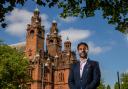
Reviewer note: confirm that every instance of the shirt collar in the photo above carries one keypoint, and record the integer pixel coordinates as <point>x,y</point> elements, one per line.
<point>84,60</point>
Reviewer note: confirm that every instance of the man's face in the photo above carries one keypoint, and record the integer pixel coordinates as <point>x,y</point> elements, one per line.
<point>83,50</point>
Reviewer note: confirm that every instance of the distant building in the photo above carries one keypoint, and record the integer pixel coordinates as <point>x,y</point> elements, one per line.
<point>49,66</point>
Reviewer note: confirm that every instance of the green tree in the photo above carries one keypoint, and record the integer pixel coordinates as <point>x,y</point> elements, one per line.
<point>114,11</point>
<point>124,80</point>
<point>108,87</point>
<point>1,41</point>
<point>102,85</point>
<point>13,68</point>
<point>123,83</point>
<point>116,86</point>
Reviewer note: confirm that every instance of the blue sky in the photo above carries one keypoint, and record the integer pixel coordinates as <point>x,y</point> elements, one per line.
<point>107,45</point>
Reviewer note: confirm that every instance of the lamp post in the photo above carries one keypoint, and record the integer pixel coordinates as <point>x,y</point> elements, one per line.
<point>43,75</point>
<point>48,63</point>
<point>118,79</point>
<point>51,68</point>
<point>44,63</point>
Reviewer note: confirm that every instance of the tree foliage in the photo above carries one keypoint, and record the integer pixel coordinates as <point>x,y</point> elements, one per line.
<point>13,68</point>
<point>108,87</point>
<point>102,85</point>
<point>124,81</point>
<point>116,86</point>
<point>115,11</point>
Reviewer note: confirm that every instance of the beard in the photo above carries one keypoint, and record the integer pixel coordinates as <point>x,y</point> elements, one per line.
<point>83,54</point>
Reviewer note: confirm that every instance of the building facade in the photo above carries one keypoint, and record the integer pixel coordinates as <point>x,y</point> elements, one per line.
<point>49,65</point>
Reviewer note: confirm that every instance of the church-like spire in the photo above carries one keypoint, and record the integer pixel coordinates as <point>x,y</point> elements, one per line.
<point>35,35</point>
<point>54,40</point>
<point>67,44</point>
<point>36,19</point>
<point>54,28</point>
<point>54,21</point>
<point>67,38</point>
<point>36,10</point>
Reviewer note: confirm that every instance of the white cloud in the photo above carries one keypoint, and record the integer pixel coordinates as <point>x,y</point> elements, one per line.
<point>18,20</point>
<point>80,34</point>
<point>45,21</point>
<point>75,34</point>
<point>68,19</point>
<point>16,29</point>
<point>18,44</point>
<point>93,49</point>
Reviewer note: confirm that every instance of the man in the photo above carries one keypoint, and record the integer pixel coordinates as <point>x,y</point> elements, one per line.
<point>84,74</point>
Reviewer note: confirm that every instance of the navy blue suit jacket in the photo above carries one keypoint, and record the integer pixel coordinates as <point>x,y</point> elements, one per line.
<point>90,78</point>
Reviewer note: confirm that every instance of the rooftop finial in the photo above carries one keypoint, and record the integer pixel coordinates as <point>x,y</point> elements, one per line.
<point>54,21</point>
<point>37,9</point>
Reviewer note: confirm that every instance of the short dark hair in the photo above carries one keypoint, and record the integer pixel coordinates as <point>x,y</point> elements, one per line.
<point>82,43</point>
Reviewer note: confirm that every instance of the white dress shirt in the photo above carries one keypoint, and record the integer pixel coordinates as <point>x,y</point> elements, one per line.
<point>82,64</point>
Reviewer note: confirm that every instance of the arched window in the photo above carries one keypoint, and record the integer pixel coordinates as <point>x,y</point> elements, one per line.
<point>32,33</point>
<point>61,77</point>
<point>30,52</point>
<point>58,41</point>
<point>39,33</point>
<point>51,41</point>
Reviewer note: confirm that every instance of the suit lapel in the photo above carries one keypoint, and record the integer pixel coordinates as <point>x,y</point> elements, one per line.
<point>85,69</point>
<point>78,69</point>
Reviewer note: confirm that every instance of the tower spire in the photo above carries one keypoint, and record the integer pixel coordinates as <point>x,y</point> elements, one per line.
<point>54,28</point>
<point>67,38</point>
<point>36,9</point>
<point>35,35</point>
<point>53,40</point>
<point>67,45</point>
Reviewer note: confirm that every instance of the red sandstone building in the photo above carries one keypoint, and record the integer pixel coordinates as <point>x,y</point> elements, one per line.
<point>49,64</point>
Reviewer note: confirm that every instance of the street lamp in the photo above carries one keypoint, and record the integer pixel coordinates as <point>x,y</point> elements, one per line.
<point>43,75</point>
<point>44,63</point>
<point>118,79</point>
<point>48,63</point>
